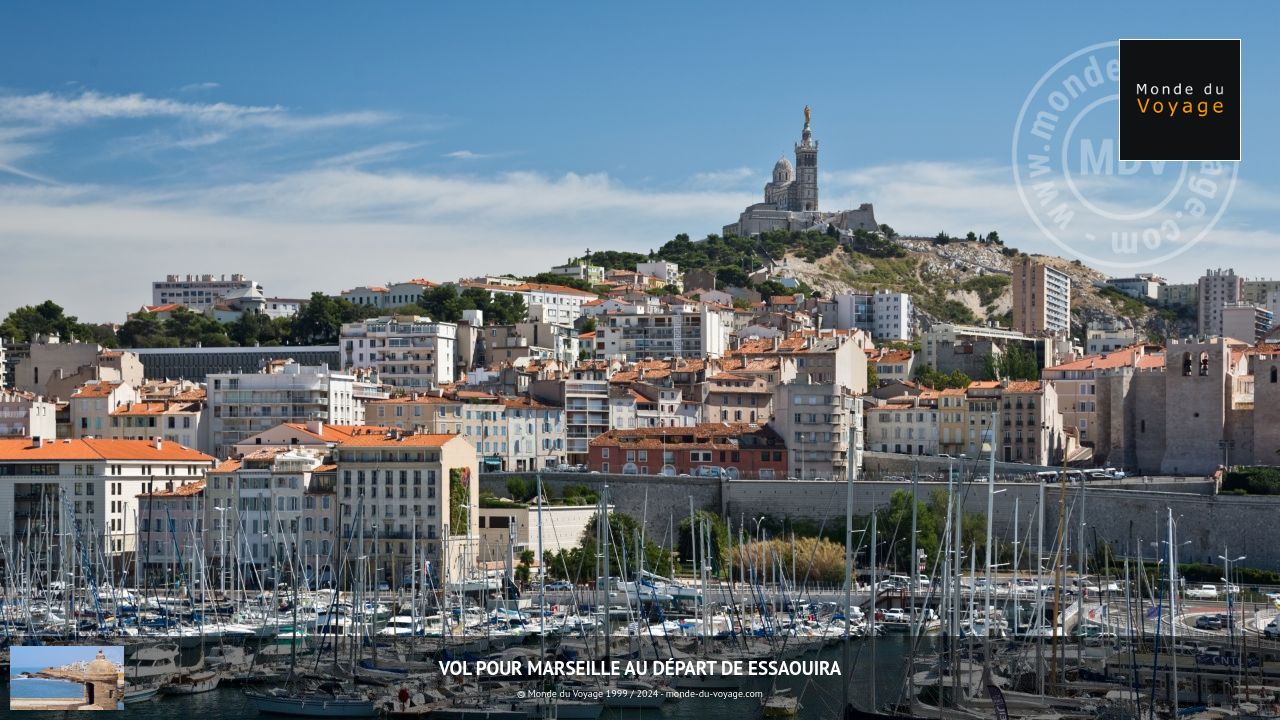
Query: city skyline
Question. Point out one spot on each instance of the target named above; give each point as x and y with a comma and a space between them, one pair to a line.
47, 656
292, 151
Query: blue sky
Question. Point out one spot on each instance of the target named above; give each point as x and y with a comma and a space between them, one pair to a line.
26, 657
323, 146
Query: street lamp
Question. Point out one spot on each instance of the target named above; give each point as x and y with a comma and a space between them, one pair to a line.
1226, 579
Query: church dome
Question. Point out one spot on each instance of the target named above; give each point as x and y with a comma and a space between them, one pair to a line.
101, 667
782, 171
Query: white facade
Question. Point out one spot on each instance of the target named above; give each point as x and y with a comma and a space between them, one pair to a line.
690, 330
903, 427
405, 351
93, 482
891, 313
667, 272
1100, 339
198, 292
244, 404
26, 415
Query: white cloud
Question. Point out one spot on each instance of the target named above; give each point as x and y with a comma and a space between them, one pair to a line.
365, 156
50, 110
732, 179
198, 87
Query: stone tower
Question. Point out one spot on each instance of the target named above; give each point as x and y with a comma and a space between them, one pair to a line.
805, 188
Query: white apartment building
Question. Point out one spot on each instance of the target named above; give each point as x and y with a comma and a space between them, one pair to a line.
508, 433
405, 351
906, 425
584, 395
506, 532
198, 292
92, 482
24, 414
692, 330
1101, 338
245, 404
891, 313
388, 296
667, 272
255, 511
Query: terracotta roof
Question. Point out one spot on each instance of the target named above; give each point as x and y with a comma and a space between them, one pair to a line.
95, 390
984, 385
1023, 386
703, 435
324, 468
166, 307
183, 490
341, 433
153, 408
397, 440
227, 466
894, 356
98, 449
782, 300
1124, 357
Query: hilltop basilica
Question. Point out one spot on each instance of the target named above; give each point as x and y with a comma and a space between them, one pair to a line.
791, 198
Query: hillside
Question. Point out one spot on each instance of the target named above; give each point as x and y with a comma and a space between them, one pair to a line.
951, 279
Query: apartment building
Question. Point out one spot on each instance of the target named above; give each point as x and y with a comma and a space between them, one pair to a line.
690, 330
819, 356
816, 421
24, 414
198, 292
171, 527
1030, 427
508, 433
1245, 321
405, 351
737, 398
55, 369
92, 485
506, 532
907, 424
391, 295
255, 514
1215, 290
732, 450
393, 487
584, 394
242, 405
1041, 298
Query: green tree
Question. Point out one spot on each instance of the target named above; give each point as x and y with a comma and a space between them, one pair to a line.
894, 526
1015, 363
47, 318
521, 488
873, 377
320, 321
189, 328
719, 540
141, 330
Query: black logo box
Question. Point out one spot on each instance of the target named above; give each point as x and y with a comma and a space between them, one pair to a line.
1187, 68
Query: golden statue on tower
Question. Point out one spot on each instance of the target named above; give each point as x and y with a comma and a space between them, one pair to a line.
806, 114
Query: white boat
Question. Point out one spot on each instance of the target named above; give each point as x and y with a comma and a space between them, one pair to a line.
140, 693
151, 662
318, 703
192, 683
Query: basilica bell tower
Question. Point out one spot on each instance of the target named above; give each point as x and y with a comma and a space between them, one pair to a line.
806, 183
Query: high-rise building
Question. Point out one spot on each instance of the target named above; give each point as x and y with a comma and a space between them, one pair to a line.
244, 404
1216, 289
198, 292
404, 350
1041, 298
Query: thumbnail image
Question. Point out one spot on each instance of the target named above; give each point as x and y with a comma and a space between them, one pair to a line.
87, 677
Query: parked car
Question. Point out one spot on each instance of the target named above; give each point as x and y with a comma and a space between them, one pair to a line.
895, 615
1272, 630
1208, 622
559, 585
1204, 592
